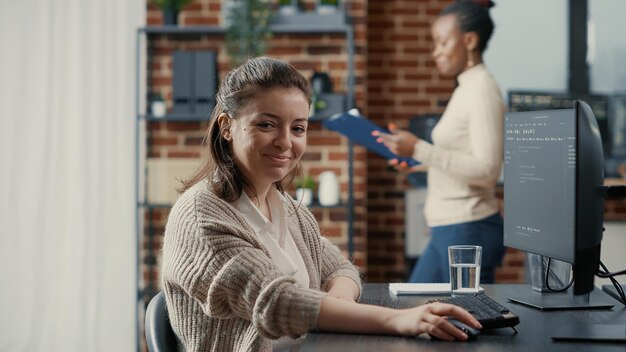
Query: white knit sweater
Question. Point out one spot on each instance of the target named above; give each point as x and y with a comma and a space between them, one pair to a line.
222, 290
466, 157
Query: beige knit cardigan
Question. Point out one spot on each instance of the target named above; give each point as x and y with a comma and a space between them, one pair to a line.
222, 290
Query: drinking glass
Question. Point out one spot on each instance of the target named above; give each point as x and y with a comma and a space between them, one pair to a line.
464, 268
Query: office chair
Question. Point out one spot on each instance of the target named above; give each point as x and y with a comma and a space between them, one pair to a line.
159, 334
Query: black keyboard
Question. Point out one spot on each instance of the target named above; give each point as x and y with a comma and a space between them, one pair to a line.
489, 313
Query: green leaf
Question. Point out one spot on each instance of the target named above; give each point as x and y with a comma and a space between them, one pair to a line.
175, 5
305, 182
248, 29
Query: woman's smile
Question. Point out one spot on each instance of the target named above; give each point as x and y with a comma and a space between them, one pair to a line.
279, 160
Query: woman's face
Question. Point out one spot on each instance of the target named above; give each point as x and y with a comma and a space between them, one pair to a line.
450, 52
269, 137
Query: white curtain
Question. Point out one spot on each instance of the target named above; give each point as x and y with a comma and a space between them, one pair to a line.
67, 238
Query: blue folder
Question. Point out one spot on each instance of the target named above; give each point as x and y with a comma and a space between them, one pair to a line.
358, 129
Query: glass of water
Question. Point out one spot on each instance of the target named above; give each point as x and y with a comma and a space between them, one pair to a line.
464, 268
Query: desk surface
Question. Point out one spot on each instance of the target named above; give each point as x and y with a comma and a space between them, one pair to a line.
533, 335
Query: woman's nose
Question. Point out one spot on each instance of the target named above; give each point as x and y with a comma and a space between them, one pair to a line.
283, 140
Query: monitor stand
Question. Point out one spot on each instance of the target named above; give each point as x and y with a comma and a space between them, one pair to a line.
597, 299
610, 289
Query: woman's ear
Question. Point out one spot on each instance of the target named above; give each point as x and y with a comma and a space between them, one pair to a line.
471, 41
223, 120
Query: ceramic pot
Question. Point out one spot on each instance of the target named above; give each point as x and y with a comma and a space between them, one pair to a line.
328, 189
158, 108
304, 195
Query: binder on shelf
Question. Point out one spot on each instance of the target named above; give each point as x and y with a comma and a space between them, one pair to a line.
205, 82
181, 82
194, 82
359, 130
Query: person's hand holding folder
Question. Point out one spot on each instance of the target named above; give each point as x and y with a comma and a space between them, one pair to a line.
360, 130
401, 143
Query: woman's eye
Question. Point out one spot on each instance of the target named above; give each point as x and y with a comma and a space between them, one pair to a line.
299, 129
265, 124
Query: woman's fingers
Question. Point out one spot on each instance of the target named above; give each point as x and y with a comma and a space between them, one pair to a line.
400, 142
441, 328
441, 334
400, 166
444, 309
388, 140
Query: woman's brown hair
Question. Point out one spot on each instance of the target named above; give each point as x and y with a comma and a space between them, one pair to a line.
240, 86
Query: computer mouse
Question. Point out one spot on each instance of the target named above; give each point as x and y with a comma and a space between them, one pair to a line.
470, 331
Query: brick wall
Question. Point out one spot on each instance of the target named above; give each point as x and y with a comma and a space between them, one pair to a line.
402, 83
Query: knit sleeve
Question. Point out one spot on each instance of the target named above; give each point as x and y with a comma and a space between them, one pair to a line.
229, 274
334, 264
330, 260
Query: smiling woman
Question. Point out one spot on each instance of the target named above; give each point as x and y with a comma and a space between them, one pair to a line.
244, 265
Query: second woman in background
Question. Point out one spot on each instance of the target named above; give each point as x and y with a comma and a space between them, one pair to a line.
465, 158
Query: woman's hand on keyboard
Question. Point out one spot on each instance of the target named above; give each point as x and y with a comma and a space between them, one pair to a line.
431, 319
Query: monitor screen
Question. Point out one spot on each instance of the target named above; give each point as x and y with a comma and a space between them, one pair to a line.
540, 182
553, 187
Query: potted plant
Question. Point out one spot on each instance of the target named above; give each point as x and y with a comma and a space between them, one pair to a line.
305, 187
170, 9
157, 105
248, 29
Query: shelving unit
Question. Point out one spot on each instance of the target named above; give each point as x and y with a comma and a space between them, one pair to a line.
143, 207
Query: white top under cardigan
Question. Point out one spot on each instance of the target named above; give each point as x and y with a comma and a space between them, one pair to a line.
275, 236
465, 158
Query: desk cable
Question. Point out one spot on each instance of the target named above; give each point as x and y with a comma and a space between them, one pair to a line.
548, 272
614, 192
604, 273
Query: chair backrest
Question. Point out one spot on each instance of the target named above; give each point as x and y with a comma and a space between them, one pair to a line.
159, 334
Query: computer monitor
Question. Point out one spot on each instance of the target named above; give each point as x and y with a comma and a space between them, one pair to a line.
553, 195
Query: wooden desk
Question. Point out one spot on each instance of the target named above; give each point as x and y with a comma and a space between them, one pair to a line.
533, 335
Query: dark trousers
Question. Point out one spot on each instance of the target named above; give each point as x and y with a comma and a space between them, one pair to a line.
432, 266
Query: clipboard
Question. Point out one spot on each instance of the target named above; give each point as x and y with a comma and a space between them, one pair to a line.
358, 129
